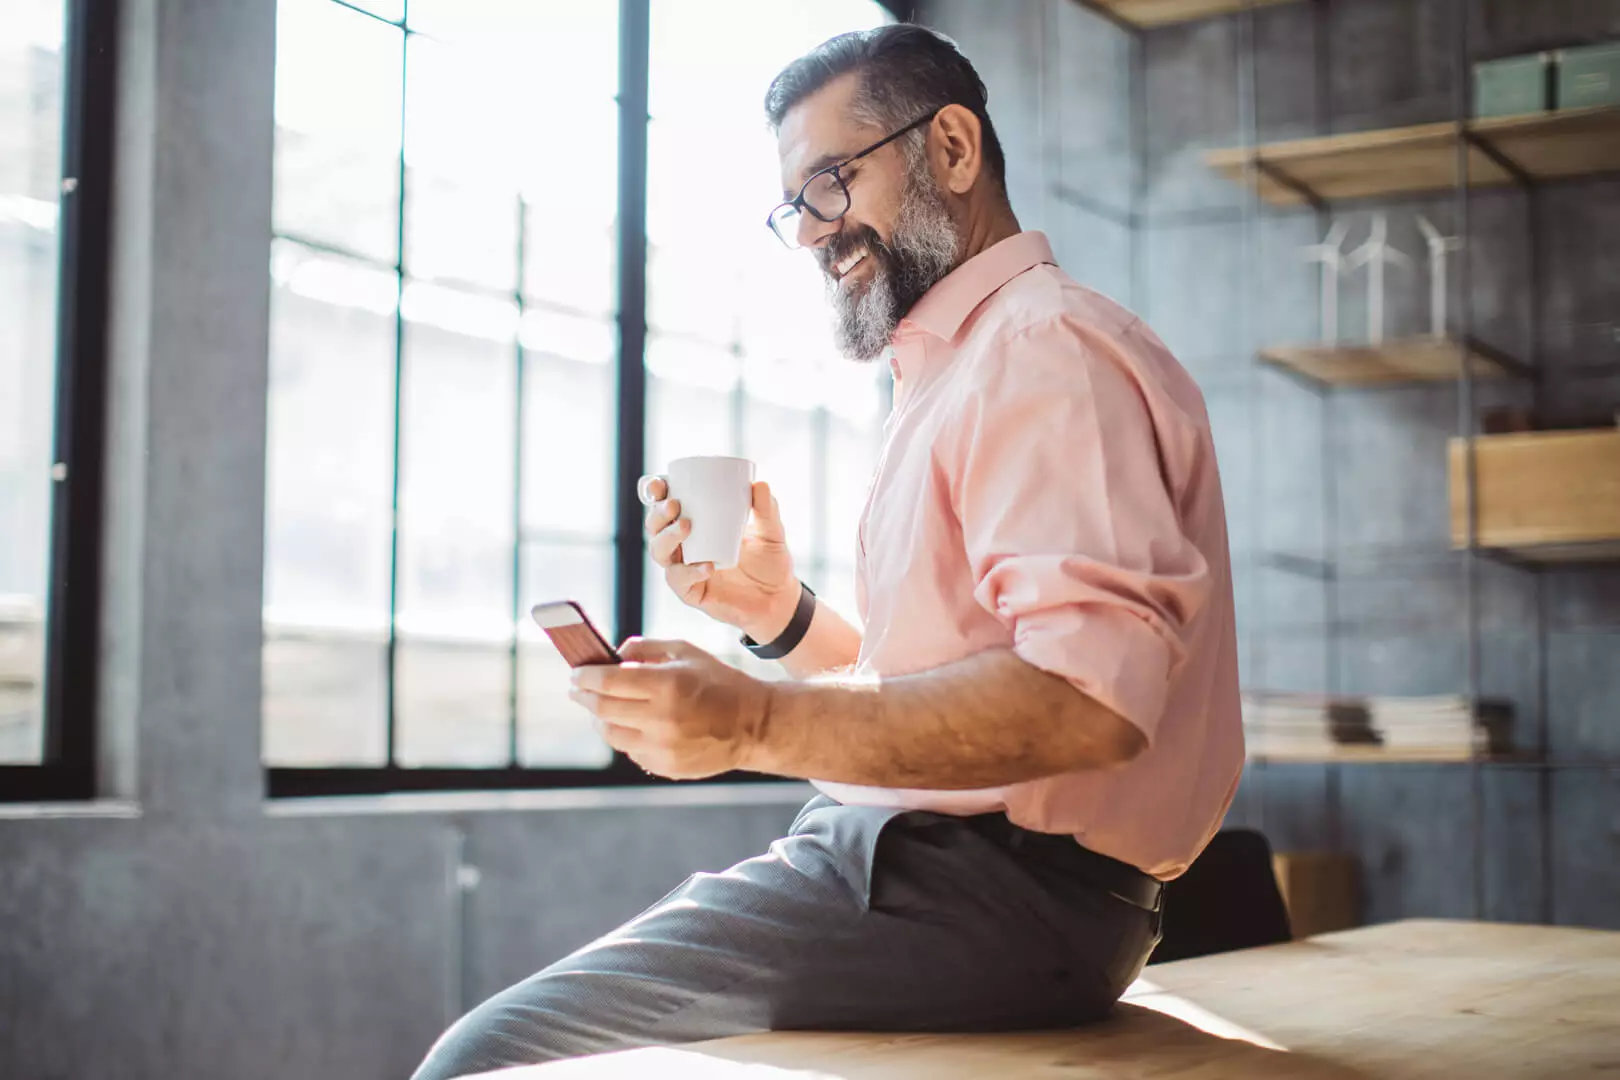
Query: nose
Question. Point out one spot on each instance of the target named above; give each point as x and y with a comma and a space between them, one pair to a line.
813, 232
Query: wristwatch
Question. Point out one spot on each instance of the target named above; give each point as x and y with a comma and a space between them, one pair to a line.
788, 639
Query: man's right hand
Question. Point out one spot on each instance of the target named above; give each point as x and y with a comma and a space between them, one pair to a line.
757, 596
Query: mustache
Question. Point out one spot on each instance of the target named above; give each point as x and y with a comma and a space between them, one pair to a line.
849, 240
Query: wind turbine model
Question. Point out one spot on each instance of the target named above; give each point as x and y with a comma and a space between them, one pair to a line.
1374, 254
1439, 248
1332, 259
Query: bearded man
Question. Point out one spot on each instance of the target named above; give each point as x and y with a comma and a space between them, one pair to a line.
1037, 723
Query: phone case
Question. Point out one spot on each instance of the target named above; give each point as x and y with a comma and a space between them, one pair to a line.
579, 643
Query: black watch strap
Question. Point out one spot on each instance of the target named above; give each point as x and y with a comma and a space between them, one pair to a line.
789, 639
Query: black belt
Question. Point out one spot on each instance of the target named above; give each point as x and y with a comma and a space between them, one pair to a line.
1119, 879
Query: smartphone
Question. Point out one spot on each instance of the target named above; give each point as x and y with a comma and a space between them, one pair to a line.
580, 642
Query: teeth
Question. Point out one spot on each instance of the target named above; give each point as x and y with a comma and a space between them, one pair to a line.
848, 261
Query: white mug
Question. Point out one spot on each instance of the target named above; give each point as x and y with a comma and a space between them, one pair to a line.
715, 494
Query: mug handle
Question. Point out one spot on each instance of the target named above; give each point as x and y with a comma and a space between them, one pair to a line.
645, 482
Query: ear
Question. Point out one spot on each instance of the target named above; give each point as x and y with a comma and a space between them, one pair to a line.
958, 154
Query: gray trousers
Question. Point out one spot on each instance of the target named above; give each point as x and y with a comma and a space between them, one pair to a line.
859, 919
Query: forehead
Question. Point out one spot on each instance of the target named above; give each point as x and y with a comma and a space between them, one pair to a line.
819, 131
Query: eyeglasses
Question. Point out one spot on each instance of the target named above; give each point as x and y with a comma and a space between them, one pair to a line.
826, 194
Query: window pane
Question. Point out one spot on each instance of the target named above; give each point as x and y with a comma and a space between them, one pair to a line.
782, 443
392, 10
452, 702
30, 178
461, 217
695, 71
572, 262
508, 98
566, 49
457, 503
690, 400
325, 697
570, 245
461, 231
569, 417
692, 290
338, 110
329, 475
552, 730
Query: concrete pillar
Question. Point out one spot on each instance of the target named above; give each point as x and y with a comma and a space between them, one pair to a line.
188, 349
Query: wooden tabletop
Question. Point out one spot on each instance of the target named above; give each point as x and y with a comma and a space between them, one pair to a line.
1421, 998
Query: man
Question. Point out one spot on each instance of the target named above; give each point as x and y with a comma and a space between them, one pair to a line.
1040, 720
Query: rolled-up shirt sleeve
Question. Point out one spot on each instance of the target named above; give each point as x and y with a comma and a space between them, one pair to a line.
1073, 535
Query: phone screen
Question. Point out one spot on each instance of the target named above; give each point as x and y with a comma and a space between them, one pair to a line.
579, 642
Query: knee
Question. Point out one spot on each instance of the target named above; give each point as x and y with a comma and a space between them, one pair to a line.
495, 1035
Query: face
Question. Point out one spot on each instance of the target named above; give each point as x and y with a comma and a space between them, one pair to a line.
898, 237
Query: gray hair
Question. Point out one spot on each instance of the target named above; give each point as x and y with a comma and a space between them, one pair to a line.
906, 72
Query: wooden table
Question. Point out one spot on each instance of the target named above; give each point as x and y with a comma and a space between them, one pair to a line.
1422, 998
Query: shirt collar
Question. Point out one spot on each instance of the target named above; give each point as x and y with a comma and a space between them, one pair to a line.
944, 308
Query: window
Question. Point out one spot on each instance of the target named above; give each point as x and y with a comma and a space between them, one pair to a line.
56, 131
445, 357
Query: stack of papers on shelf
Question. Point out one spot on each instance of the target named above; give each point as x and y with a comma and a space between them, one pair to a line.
1310, 727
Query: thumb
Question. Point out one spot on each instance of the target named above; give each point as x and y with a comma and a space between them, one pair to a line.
767, 514
655, 651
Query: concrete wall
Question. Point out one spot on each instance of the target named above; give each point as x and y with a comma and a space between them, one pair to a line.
181, 928
1353, 480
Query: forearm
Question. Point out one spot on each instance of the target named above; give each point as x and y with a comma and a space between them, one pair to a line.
985, 721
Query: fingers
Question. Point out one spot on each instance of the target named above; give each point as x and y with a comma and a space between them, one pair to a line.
652, 651
621, 738
652, 487
684, 577
616, 680
619, 712
660, 514
767, 523
665, 547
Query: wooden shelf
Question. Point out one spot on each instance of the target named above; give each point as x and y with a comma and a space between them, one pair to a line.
1501, 150
1146, 14
1541, 496
1419, 359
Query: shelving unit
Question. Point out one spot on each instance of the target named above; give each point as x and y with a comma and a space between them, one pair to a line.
1502, 511
1526, 501
1418, 359
1147, 14
1367, 755
1425, 157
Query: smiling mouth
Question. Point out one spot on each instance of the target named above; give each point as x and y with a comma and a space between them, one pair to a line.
849, 262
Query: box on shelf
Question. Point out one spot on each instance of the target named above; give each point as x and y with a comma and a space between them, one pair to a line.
1320, 889
1513, 85
1540, 489
1589, 75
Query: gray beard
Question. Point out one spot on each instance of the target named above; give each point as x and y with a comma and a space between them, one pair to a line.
922, 250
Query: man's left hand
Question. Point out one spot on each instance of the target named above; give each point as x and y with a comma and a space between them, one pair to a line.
674, 709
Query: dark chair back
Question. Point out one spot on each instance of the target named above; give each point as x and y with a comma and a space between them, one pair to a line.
1228, 899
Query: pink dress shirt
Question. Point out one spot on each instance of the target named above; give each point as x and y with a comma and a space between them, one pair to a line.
1048, 484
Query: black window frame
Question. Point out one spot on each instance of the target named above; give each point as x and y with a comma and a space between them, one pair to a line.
68, 766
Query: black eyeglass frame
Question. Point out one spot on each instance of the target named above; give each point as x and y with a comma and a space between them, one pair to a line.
797, 203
